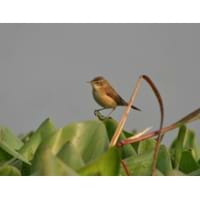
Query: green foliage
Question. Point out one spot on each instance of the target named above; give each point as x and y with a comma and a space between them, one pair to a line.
47, 164
100, 167
164, 163
185, 151
83, 149
9, 144
45, 129
126, 150
8, 170
139, 165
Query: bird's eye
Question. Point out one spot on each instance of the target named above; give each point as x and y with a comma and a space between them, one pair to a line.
98, 83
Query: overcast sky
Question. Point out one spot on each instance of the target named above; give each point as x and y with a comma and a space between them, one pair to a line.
44, 69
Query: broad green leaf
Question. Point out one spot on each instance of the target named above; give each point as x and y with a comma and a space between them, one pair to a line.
26, 137
42, 133
13, 152
146, 146
140, 165
191, 143
8, 137
111, 125
69, 155
158, 173
164, 161
185, 145
175, 172
4, 156
107, 165
88, 138
9, 143
195, 173
25, 169
177, 146
47, 164
188, 163
57, 140
8, 170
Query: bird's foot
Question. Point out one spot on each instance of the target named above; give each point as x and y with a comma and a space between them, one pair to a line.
96, 112
99, 115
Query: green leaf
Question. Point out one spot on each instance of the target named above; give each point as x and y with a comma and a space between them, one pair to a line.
164, 161
9, 143
146, 146
12, 152
8, 137
47, 164
175, 172
42, 133
188, 163
191, 143
26, 137
178, 146
76, 144
195, 173
4, 156
88, 138
158, 173
184, 151
127, 150
25, 169
107, 165
140, 165
69, 155
8, 170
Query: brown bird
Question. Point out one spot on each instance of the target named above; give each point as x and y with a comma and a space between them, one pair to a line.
106, 96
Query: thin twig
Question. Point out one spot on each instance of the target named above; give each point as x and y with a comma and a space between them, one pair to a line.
140, 133
125, 114
124, 165
146, 136
187, 119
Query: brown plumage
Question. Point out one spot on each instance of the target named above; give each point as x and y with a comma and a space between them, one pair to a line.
106, 96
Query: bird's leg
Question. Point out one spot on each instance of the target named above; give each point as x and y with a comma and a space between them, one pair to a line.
111, 112
97, 111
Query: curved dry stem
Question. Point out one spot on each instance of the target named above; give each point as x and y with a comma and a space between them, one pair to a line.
125, 114
146, 136
124, 165
187, 119
140, 133
127, 110
160, 136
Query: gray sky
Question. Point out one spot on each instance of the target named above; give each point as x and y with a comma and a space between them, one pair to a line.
44, 69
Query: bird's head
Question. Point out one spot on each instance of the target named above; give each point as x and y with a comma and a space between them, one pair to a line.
98, 82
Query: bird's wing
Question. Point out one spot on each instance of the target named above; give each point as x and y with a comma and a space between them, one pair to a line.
110, 91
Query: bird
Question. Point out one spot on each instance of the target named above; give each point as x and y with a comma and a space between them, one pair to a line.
106, 96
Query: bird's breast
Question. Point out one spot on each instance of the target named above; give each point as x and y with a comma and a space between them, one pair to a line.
103, 99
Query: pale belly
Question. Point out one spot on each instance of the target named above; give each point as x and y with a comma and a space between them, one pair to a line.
104, 100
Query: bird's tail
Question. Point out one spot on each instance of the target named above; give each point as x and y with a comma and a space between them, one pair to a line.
124, 103
135, 108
